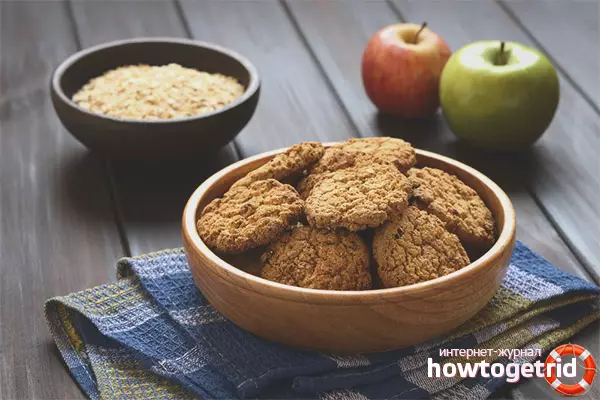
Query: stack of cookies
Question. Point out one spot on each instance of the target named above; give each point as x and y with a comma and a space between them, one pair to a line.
334, 218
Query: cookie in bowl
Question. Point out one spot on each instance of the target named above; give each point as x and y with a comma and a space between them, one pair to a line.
308, 285
318, 259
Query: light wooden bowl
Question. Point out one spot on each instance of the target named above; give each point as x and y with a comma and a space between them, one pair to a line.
347, 321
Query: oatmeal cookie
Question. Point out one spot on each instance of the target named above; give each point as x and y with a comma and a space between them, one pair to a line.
333, 160
384, 150
287, 164
416, 247
455, 203
357, 198
367, 151
318, 259
248, 217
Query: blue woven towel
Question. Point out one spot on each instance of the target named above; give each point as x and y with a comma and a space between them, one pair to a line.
152, 335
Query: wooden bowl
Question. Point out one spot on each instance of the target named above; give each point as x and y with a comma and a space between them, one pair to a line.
349, 321
175, 138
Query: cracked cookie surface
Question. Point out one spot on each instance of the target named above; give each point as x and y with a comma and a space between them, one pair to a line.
416, 247
333, 160
287, 164
384, 150
455, 203
318, 259
249, 216
357, 197
355, 152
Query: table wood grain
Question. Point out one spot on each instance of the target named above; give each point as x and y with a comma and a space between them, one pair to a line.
57, 233
296, 102
571, 39
67, 215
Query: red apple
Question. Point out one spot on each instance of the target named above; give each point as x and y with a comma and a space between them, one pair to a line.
401, 69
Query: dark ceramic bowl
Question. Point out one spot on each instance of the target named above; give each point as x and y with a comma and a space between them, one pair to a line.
172, 138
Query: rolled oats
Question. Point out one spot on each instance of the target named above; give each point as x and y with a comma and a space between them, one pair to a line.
157, 92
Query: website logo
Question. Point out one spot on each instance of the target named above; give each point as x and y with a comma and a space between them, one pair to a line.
554, 369
471, 363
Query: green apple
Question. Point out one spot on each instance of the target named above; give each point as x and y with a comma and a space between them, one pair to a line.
499, 95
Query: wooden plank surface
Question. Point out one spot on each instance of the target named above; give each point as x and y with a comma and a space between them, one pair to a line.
99, 21
296, 102
151, 198
569, 32
58, 233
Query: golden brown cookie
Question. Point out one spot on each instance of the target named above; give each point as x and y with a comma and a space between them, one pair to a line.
455, 203
416, 247
366, 151
248, 217
287, 164
333, 159
384, 149
357, 198
306, 184
318, 259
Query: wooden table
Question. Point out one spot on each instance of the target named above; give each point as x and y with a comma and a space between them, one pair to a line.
68, 215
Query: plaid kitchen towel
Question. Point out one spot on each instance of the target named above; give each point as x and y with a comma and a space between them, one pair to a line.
152, 335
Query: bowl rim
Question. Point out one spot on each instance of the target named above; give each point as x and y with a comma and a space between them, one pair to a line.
251, 89
322, 296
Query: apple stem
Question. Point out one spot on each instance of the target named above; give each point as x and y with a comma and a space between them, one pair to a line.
423, 26
501, 58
